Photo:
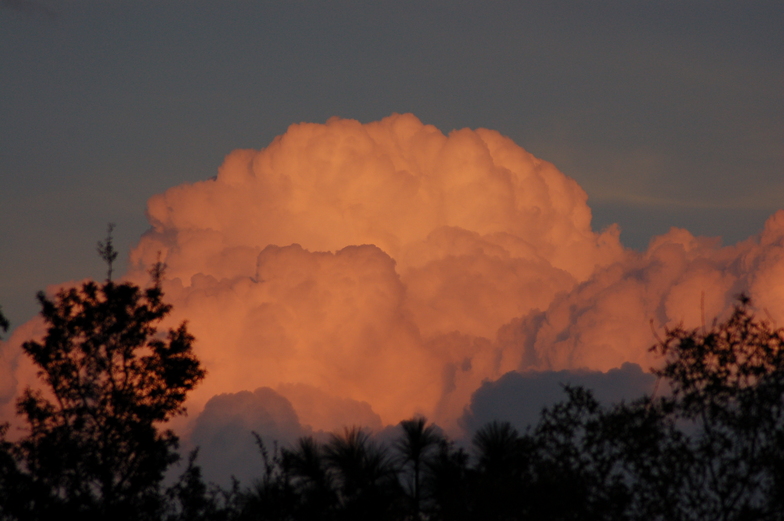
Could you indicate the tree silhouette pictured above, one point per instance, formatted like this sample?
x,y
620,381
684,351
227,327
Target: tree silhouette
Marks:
x,y
449,482
728,390
107,252
270,497
93,447
502,471
418,442
366,481
305,466
576,471
710,447
3,321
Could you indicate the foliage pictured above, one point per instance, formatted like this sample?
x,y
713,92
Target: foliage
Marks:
x,y
365,477
415,447
310,479
728,389
93,446
107,252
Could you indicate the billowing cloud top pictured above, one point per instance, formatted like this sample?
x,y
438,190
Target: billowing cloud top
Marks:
x,y
368,272
343,255
391,183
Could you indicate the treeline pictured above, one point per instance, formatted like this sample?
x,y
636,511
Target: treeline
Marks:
x,y
712,449
709,448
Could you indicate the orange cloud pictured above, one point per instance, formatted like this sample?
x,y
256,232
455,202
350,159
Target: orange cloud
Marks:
x,y
369,272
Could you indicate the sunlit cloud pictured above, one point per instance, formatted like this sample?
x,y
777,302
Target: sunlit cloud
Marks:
x,y
364,273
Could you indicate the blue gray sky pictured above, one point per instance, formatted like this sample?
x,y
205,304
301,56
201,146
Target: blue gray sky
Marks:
x,y
666,113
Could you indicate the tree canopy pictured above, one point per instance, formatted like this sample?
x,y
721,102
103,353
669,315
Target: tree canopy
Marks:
x,y
110,379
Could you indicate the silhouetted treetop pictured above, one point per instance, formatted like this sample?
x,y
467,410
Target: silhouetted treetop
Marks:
x,y
110,378
3,321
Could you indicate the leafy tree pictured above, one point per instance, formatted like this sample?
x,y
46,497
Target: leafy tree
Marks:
x,y
580,457
712,448
728,391
638,456
93,447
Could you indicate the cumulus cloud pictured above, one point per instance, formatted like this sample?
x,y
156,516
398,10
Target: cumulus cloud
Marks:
x,y
224,432
365,273
680,279
346,256
389,183
520,397
326,412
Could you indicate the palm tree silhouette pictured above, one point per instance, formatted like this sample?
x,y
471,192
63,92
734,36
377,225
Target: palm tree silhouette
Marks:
x,y
501,471
306,469
418,441
365,476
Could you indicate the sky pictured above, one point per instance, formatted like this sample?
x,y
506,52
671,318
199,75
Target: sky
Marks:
x,y
666,113
644,115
